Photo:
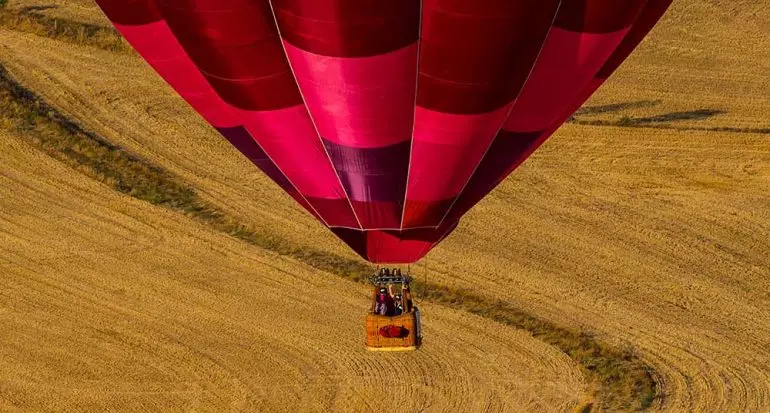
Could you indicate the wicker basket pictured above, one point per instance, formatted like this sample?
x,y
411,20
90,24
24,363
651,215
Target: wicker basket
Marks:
x,y
410,339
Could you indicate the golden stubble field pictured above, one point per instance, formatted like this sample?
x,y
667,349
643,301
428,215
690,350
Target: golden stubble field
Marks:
x,y
657,238
109,303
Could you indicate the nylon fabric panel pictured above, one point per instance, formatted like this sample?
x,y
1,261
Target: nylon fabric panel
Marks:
x,y
475,57
373,178
356,65
288,137
236,46
650,15
648,18
348,28
241,139
152,38
358,102
508,150
393,247
567,63
235,43
363,108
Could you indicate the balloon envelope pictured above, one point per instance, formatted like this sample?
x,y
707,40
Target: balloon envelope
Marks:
x,y
386,120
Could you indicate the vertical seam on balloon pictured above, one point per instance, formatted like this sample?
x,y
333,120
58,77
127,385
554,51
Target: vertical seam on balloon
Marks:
x,y
234,115
414,119
505,119
310,115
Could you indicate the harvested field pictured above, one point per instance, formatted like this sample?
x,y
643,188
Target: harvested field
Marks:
x,y
654,238
110,303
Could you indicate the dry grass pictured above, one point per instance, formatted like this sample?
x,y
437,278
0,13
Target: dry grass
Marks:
x,y
623,381
33,22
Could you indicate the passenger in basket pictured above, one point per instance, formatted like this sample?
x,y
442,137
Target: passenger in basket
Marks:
x,y
384,302
399,304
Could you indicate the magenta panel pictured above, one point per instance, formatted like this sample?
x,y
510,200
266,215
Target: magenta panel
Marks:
x,y
356,65
446,149
289,139
476,55
393,247
492,171
348,28
235,45
303,169
371,174
362,102
508,151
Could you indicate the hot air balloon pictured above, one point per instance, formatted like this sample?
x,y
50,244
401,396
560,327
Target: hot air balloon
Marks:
x,y
386,120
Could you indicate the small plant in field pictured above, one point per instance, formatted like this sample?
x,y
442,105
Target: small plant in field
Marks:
x,y
626,121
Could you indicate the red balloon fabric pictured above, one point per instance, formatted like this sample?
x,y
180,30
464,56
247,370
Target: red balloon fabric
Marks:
x,y
386,120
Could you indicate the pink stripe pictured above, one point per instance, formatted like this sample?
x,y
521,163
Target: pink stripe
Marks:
x,y
593,85
569,60
287,136
360,102
446,149
153,41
